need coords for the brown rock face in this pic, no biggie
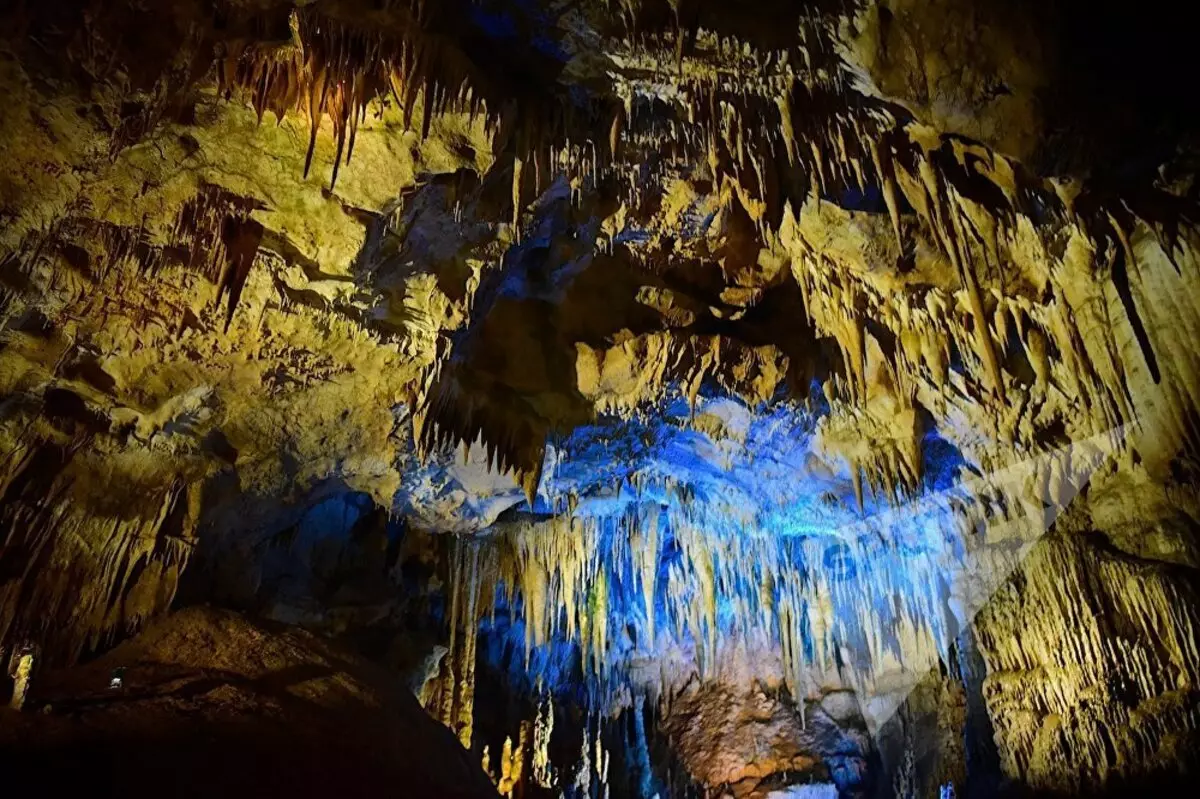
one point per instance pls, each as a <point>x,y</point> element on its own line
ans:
<point>214,704</point>
<point>751,744</point>
<point>974,68</point>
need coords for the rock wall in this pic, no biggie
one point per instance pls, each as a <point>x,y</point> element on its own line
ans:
<point>1091,666</point>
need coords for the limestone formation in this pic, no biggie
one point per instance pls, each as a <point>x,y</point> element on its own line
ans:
<point>686,397</point>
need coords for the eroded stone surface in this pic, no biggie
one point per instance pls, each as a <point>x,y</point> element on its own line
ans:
<point>662,307</point>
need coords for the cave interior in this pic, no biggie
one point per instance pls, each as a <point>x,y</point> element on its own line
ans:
<point>730,399</point>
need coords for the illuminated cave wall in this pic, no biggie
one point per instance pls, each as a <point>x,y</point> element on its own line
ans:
<point>688,560</point>
<point>683,396</point>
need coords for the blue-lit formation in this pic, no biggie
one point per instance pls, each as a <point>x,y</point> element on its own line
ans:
<point>749,549</point>
<point>712,544</point>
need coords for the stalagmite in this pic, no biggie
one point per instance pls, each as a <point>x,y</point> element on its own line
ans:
<point>543,774</point>
<point>22,676</point>
<point>518,169</point>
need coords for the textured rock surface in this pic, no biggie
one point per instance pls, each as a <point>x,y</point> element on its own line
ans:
<point>1113,698</point>
<point>214,704</point>
<point>747,744</point>
<point>739,344</point>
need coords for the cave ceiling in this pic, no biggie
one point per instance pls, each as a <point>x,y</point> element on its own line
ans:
<point>580,280</point>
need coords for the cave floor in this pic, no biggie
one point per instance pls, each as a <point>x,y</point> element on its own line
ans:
<point>216,705</point>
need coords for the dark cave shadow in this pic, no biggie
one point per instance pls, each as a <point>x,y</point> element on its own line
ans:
<point>273,684</point>
<point>230,759</point>
<point>1163,784</point>
<point>169,738</point>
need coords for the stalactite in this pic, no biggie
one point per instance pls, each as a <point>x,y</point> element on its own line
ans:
<point>1090,662</point>
<point>241,240</point>
<point>126,572</point>
<point>875,612</point>
<point>334,70</point>
<point>710,574</point>
<point>543,772</point>
<point>518,169</point>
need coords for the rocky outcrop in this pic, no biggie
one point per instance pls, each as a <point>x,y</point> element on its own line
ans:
<point>756,746</point>
<point>213,703</point>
